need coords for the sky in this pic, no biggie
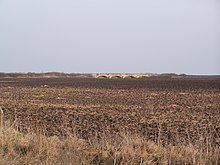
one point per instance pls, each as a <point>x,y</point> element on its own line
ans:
<point>115,36</point>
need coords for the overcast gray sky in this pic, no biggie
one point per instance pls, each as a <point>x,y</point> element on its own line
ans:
<point>150,36</point>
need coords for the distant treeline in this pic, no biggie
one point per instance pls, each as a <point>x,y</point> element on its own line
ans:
<point>87,75</point>
<point>36,75</point>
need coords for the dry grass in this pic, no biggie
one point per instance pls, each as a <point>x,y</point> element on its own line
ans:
<point>17,148</point>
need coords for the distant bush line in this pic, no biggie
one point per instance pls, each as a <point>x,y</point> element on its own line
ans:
<point>40,75</point>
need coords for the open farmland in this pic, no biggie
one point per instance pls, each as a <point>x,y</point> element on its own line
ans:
<point>163,110</point>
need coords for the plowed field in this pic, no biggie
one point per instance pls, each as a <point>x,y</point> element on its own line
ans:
<point>167,110</point>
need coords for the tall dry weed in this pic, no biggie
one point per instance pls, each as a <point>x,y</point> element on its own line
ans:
<point>18,148</point>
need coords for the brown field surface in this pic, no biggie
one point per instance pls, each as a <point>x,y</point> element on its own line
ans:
<point>165,111</point>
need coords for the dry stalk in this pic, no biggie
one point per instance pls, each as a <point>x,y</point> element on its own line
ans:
<point>1,128</point>
<point>1,117</point>
<point>159,133</point>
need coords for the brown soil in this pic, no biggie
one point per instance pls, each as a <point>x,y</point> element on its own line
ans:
<point>165,110</point>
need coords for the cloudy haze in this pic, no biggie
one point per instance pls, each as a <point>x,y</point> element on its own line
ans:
<point>156,36</point>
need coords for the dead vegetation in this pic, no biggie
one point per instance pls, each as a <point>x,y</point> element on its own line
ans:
<point>18,148</point>
<point>90,121</point>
